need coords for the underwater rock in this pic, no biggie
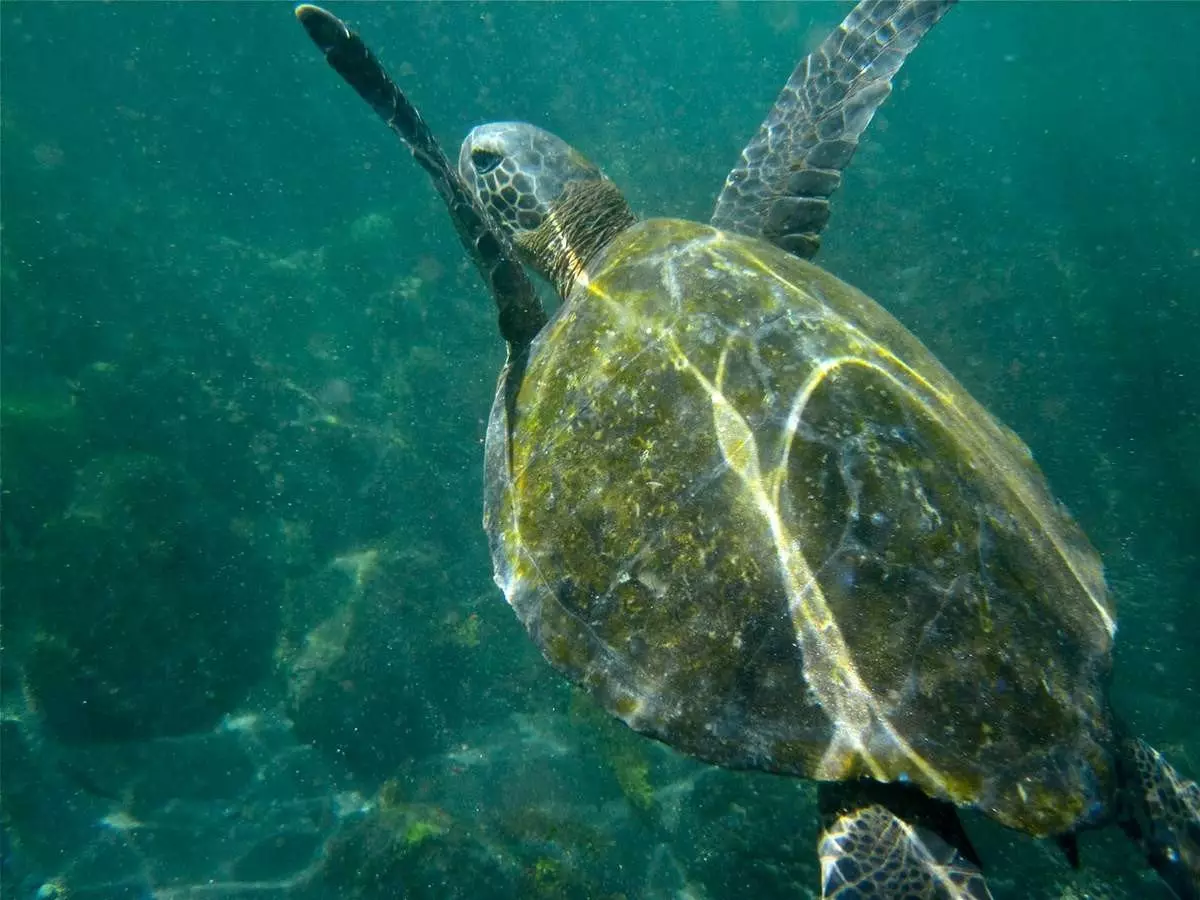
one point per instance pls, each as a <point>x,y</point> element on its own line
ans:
<point>239,811</point>
<point>380,668</point>
<point>154,615</point>
<point>412,850</point>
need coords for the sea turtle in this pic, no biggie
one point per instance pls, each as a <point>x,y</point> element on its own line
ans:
<point>737,501</point>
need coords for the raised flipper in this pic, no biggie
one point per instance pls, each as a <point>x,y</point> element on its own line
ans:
<point>780,190</point>
<point>869,852</point>
<point>520,310</point>
<point>1161,813</point>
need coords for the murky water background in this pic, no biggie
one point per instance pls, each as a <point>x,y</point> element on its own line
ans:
<point>250,636</point>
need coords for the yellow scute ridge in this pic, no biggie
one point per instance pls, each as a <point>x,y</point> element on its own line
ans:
<point>733,434</point>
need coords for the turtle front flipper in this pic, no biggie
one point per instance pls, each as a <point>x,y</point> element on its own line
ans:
<point>1160,811</point>
<point>870,852</point>
<point>520,311</point>
<point>780,189</point>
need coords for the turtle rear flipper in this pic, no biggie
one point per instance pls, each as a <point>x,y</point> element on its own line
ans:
<point>1161,813</point>
<point>889,839</point>
<point>780,188</point>
<point>870,852</point>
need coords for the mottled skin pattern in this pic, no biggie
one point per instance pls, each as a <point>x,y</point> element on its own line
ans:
<point>758,519</point>
<point>526,166</point>
<point>1163,816</point>
<point>875,854</point>
<point>781,186</point>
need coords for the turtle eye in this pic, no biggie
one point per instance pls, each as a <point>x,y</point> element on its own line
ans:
<point>485,161</point>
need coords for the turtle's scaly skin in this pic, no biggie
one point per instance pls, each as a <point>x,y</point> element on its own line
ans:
<point>760,521</point>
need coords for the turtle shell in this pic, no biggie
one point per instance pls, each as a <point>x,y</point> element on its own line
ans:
<point>752,514</point>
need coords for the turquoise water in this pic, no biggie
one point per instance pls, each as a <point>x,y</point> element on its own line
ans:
<point>251,638</point>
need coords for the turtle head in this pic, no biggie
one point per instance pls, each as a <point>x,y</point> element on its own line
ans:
<point>558,209</point>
